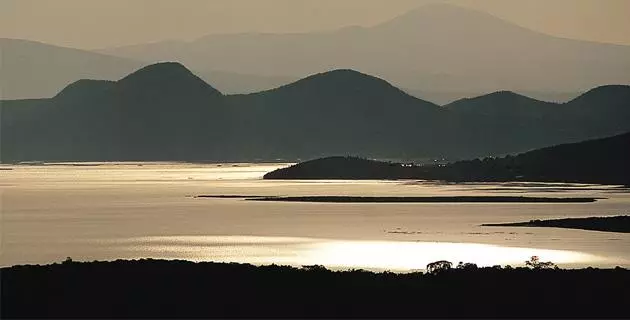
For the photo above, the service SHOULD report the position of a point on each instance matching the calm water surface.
(111, 211)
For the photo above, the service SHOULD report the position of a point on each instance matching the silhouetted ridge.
(452, 18)
(166, 78)
(160, 112)
(617, 93)
(496, 100)
(503, 95)
(340, 167)
(164, 112)
(602, 161)
(436, 49)
(335, 112)
(341, 81)
(337, 167)
(84, 88)
(160, 69)
(179, 289)
(608, 224)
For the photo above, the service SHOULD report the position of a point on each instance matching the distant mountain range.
(165, 112)
(439, 53)
(603, 161)
(36, 70)
(436, 48)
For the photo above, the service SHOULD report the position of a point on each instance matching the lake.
(108, 211)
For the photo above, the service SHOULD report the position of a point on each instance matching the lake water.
(149, 210)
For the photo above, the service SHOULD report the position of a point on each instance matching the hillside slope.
(160, 112)
(37, 70)
(165, 112)
(435, 48)
(603, 161)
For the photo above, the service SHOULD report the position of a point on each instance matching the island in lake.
(610, 224)
(601, 161)
(454, 199)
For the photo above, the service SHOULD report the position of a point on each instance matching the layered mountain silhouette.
(37, 70)
(602, 161)
(162, 111)
(505, 118)
(435, 48)
(330, 112)
(165, 112)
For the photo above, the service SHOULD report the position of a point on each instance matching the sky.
(92, 24)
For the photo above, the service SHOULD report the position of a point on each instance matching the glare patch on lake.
(343, 254)
(109, 211)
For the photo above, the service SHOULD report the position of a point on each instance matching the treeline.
(610, 224)
(158, 288)
(603, 161)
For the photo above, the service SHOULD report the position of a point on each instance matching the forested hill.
(603, 161)
(166, 112)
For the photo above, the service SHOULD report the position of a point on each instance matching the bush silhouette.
(535, 263)
(439, 266)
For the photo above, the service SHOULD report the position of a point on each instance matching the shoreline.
(394, 199)
(619, 224)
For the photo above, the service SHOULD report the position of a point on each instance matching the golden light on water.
(345, 254)
(416, 255)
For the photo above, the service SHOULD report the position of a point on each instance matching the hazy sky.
(104, 23)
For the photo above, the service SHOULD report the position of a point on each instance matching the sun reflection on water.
(345, 254)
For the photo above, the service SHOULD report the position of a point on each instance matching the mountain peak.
(507, 94)
(497, 98)
(343, 73)
(166, 76)
(160, 69)
(610, 88)
(444, 19)
(347, 89)
(613, 92)
(443, 11)
(340, 79)
(83, 88)
(444, 8)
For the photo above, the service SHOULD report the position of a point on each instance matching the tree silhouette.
(535, 263)
(466, 266)
(439, 266)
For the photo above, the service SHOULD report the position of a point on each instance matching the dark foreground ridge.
(485, 199)
(161, 289)
(601, 161)
(610, 224)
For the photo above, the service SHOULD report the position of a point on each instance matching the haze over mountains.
(439, 53)
(435, 48)
(165, 112)
(37, 70)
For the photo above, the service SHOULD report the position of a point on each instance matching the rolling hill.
(435, 48)
(603, 161)
(160, 112)
(165, 112)
(504, 119)
(333, 112)
(36, 70)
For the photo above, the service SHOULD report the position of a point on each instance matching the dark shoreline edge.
(227, 196)
(183, 289)
(598, 161)
(619, 224)
(432, 199)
